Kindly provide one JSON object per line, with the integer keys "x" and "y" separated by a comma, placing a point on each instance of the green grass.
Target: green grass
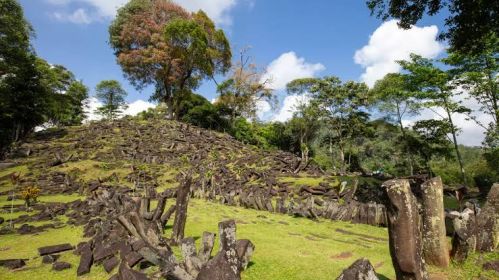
{"x": 296, "y": 248}
{"x": 302, "y": 181}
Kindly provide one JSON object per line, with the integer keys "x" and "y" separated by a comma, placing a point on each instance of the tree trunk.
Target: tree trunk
{"x": 402, "y": 129}
{"x": 456, "y": 146}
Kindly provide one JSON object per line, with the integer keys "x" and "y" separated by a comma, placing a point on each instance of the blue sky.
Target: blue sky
{"x": 288, "y": 39}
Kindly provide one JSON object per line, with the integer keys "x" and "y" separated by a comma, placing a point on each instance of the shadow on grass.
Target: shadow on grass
{"x": 382, "y": 277}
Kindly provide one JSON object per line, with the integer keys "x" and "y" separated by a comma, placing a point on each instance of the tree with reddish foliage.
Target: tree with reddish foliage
{"x": 158, "y": 43}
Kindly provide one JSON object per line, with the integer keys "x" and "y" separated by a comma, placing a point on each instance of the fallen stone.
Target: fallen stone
{"x": 13, "y": 263}
{"x": 492, "y": 265}
{"x": 54, "y": 249}
{"x": 58, "y": 266}
{"x": 110, "y": 264}
{"x": 133, "y": 258}
{"x": 86, "y": 260}
{"x": 48, "y": 259}
{"x": 126, "y": 273}
{"x": 361, "y": 269}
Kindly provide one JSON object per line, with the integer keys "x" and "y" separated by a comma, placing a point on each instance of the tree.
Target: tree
{"x": 436, "y": 88}
{"x": 430, "y": 140}
{"x": 158, "y": 42}
{"x": 340, "y": 105}
{"x": 112, "y": 95}
{"x": 244, "y": 88}
{"x": 22, "y": 96}
{"x": 303, "y": 126}
{"x": 66, "y": 99}
{"x": 469, "y": 22}
{"x": 393, "y": 97}
{"x": 478, "y": 74}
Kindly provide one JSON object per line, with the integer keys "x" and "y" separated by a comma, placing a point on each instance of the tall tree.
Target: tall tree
{"x": 478, "y": 74}
{"x": 437, "y": 88}
{"x": 244, "y": 88}
{"x": 340, "y": 105}
{"x": 393, "y": 96}
{"x": 66, "y": 99}
{"x": 469, "y": 22}
{"x": 22, "y": 97}
{"x": 430, "y": 140}
{"x": 303, "y": 126}
{"x": 112, "y": 95}
{"x": 158, "y": 42}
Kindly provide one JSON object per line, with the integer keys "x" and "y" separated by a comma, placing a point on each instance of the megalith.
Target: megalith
{"x": 403, "y": 231}
{"x": 435, "y": 250}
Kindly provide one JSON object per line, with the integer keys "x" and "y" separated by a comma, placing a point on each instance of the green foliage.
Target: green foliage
{"x": 159, "y": 43}
{"x": 112, "y": 96}
{"x": 469, "y": 22}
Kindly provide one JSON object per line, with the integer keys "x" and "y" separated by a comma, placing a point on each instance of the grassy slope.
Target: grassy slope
{"x": 286, "y": 247}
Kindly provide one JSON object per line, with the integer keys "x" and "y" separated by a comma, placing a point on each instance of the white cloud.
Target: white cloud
{"x": 217, "y": 10}
{"x": 79, "y": 16}
{"x": 133, "y": 108}
{"x": 138, "y": 106}
{"x": 289, "y": 106}
{"x": 288, "y": 67}
{"x": 390, "y": 43}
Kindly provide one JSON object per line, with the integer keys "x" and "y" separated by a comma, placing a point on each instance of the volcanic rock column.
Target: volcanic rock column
{"x": 403, "y": 231}
{"x": 435, "y": 250}
{"x": 488, "y": 223}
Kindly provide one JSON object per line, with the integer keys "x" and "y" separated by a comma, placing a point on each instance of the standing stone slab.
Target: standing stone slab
{"x": 488, "y": 222}
{"x": 86, "y": 259}
{"x": 464, "y": 238}
{"x": 225, "y": 265}
{"x": 403, "y": 230}
{"x": 435, "y": 250}
{"x": 181, "y": 210}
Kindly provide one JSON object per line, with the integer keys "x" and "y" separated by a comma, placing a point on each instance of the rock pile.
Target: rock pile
{"x": 126, "y": 234}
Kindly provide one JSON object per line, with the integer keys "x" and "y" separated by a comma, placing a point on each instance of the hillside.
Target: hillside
{"x": 68, "y": 165}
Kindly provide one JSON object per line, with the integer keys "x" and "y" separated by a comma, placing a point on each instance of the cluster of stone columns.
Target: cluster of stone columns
{"x": 417, "y": 234}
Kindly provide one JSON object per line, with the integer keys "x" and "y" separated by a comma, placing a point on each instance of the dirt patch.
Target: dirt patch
{"x": 361, "y": 235}
{"x": 343, "y": 255}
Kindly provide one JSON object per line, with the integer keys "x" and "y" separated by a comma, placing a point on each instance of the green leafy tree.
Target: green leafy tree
{"x": 392, "y": 96}
{"x": 478, "y": 74}
{"x": 66, "y": 99}
{"x": 469, "y": 22}
{"x": 436, "y": 89}
{"x": 340, "y": 105}
{"x": 159, "y": 43}
{"x": 430, "y": 140}
{"x": 112, "y": 95}
{"x": 22, "y": 97}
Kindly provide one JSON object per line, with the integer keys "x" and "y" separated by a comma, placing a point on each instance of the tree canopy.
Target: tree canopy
{"x": 158, "y": 43}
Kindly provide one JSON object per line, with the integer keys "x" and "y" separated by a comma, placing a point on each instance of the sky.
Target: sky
{"x": 287, "y": 40}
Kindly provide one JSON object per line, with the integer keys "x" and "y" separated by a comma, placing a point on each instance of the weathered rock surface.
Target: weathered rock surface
{"x": 58, "y": 266}
{"x": 435, "y": 250}
{"x": 488, "y": 223}
{"x": 403, "y": 231}
{"x": 13, "y": 263}
{"x": 361, "y": 269}
{"x": 48, "y": 250}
